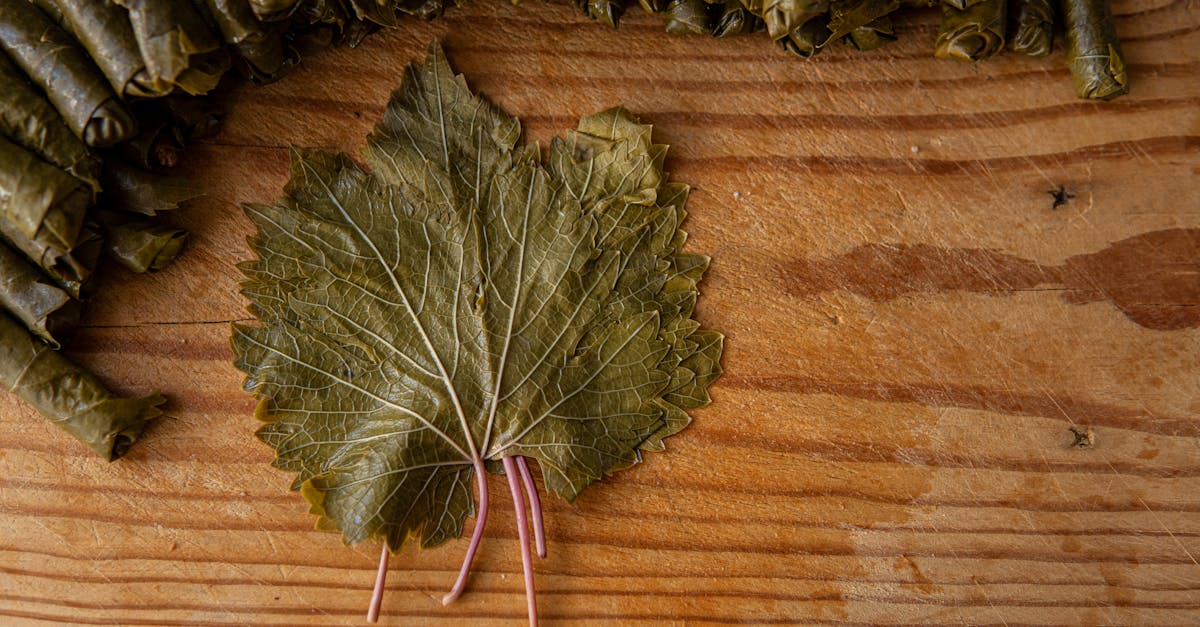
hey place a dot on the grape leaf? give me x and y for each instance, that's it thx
(464, 302)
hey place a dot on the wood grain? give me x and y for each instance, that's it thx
(912, 333)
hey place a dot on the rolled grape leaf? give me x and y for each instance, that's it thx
(271, 10)
(157, 144)
(46, 309)
(384, 12)
(783, 18)
(266, 60)
(176, 45)
(70, 396)
(850, 15)
(30, 120)
(344, 27)
(308, 41)
(258, 47)
(65, 72)
(129, 188)
(807, 40)
(43, 202)
(167, 126)
(198, 117)
(388, 12)
(736, 19)
(605, 11)
(139, 244)
(234, 20)
(424, 9)
(873, 35)
(1093, 51)
(50, 8)
(973, 34)
(106, 33)
(689, 17)
(961, 5)
(71, 268)
(1032, 27)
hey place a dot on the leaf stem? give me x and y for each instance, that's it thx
(514, 485)
(535, 507)
(476, 536)
(380, 578)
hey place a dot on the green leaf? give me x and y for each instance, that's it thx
(463, 302)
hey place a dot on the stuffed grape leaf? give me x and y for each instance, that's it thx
(464, 304)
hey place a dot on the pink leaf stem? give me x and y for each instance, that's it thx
(535, 507)
(514, 485)
(461, 583)
(380, 579)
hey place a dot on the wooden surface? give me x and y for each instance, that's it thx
(912, 332)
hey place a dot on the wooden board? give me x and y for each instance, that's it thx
(913, 331)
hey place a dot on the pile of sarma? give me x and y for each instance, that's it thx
(971, 30)
(89, 117)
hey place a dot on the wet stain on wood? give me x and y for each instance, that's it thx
(1153, 278)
